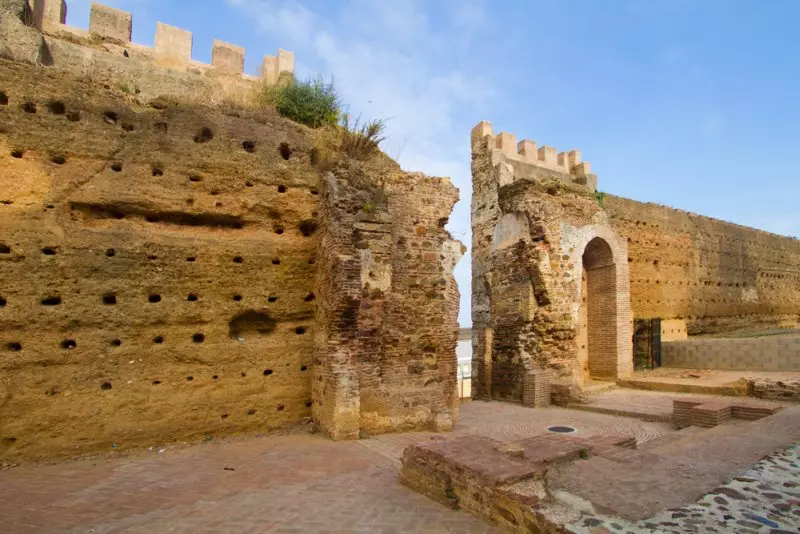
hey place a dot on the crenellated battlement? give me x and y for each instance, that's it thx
(172, 48)
(526, 152)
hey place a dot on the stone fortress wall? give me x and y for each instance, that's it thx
(532, 216)
(178, 268)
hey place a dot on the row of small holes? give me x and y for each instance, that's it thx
(204, 135)
(110, 299)
(15, 346)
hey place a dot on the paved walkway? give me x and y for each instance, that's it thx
(295, 483)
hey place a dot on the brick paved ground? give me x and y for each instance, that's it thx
(296, 483)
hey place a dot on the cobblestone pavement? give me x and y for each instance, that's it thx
(295, 483)
(763, 499)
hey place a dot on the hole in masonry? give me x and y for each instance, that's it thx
(309, 297)
(105, 386)
(3, 302)
(58, 159)
(50, 206)
(74, 116)
(215, 377)
(17, 154)
(312, 260)
(224, 416)
(49, 251)
(243, 374)
(110, 117)
(281, 188)
(116, 167)
(14, 346)
(152, 257)
(214, 192)
(116, 342)
(157, 171)
(191, 259)
(195, 178)
(109, 299)
(69, 344)
(156, 382)
(300, 330)
(308, 227)
(50, 301)
(3, 98)
(308, 404)
(279, 230)
(249, 146)
(285, 150)
(267, 372)
(561, 429)
(198, 338)
(56, 107)
(248, 184)
(128, 127)
(276, 261)
(279, 407)
(238, 259)
(158, 340)
(5, 249)
(314, 192)
(9, 440)
(204, 135)
(189, 378)
(313, 156)
(110, 252)
(251, 411)
(304, 368)
(29, 107)
(237, 298)
(272, 299)
(152, 299)
(192, 297)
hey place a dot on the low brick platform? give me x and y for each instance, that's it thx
(499, 482)
(710, 413)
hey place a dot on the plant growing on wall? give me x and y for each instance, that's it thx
(312, 102)
(600, 198)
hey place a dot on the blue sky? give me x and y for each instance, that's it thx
(692, 104)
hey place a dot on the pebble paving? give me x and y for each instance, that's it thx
(764, 499)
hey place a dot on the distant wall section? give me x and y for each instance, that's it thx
(716, 276)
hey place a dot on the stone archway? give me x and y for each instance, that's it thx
(602, 317)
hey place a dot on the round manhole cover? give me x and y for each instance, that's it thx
(561, 429)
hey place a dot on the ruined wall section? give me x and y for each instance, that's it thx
(156, 269)
(717, 276)
(36, 32)
(532, 218)
(388, 303)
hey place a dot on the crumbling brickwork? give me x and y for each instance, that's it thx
(172, 269)
(544, 260)
(390, 302)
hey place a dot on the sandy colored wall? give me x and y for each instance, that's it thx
(717, 276)
(156, 269)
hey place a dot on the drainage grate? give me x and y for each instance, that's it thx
(561, 429)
